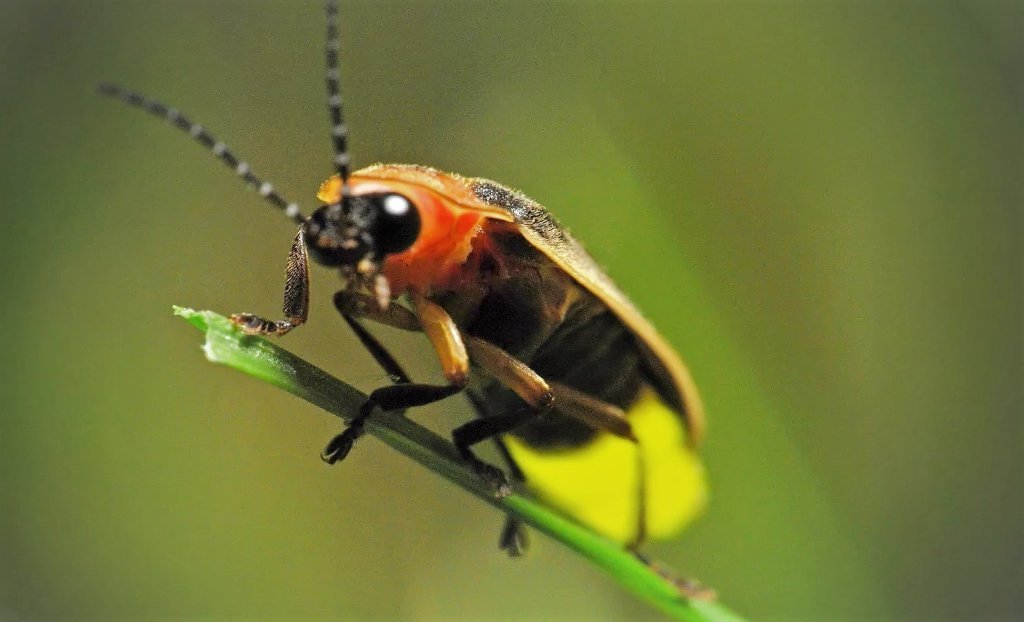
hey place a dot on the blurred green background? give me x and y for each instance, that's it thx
(818, 203)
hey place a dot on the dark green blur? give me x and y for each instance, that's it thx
(818, 203)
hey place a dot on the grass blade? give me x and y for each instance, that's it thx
(270, 363)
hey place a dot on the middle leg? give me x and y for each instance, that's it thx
(446, 339)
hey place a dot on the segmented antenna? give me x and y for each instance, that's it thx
(339, 131)
(204, 138)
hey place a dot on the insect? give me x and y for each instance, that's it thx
(586, 402)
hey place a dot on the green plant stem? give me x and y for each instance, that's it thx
(266, 361)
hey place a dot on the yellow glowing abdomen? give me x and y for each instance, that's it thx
(598, 483)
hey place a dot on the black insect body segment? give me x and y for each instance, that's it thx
(587, 403)
(363, 227)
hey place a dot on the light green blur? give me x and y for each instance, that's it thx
(818, 203)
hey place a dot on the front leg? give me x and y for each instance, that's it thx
(296, 296)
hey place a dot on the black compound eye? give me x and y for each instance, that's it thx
(397, 224)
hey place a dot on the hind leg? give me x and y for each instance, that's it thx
(513, 538)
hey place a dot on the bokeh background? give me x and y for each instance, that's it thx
(819, 203)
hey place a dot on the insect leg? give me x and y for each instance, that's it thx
(612, 419)
(511, 372)
(349, 310)
(445, 337)
(296, 296)
(348, 306)
(393, 397)
(513, 537)
(534, 390)
(354, 304)
(596, 413)
(478, 430)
